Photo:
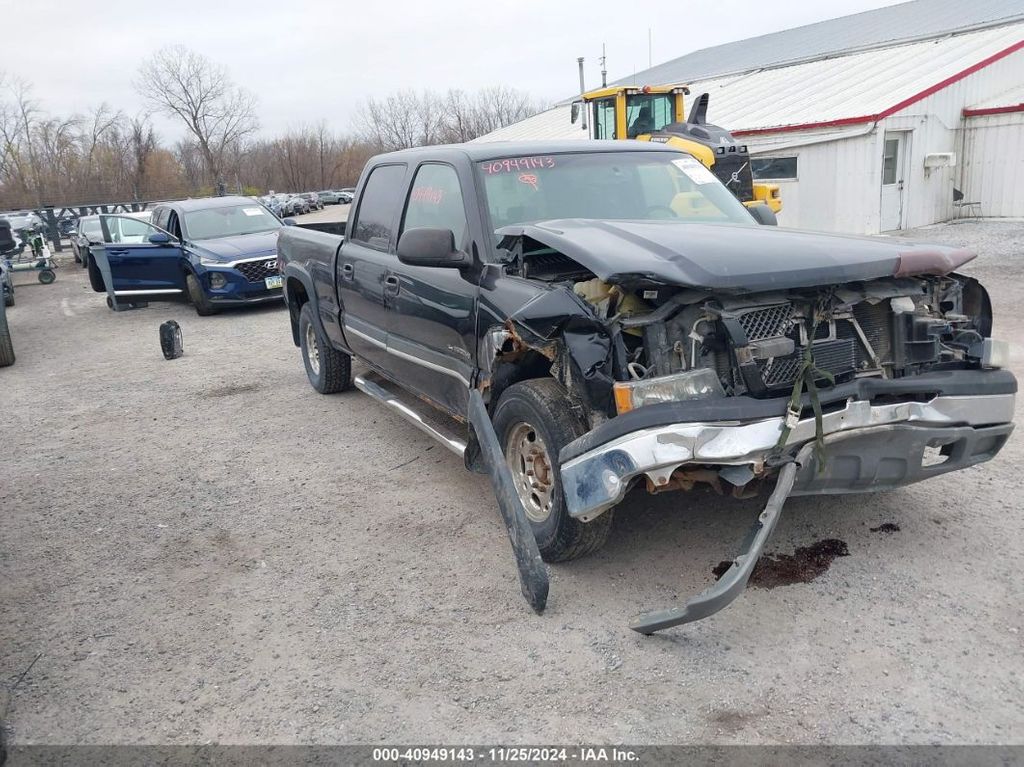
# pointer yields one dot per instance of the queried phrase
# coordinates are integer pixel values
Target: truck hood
(234, 248)
(734, 257)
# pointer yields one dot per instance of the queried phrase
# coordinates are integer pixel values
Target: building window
(890, 156)
(773, 168)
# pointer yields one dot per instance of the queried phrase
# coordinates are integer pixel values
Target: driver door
(139, 259)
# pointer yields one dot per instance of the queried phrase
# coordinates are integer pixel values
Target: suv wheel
(533, 424)
(328, 369)
(196, 294)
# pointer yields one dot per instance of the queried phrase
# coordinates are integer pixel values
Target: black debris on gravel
(802, 566)
(886, 527)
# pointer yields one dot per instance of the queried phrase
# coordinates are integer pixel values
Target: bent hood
(238, 247)
(734, 257)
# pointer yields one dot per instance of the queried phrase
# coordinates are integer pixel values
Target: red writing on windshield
(431, 195)
(516, 164)
(528, 178)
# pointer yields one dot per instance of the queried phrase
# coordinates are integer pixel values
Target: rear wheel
(46, 276)
(6, 345)
(196, 294)
(533, 424)
(328, 369)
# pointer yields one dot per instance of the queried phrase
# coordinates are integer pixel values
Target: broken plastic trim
(732, 583)
(533, 576)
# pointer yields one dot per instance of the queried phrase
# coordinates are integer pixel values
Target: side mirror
(763, 215)
(430, 247)
(574, 111)
(159, 238)
(289, 221)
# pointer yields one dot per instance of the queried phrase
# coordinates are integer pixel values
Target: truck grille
(257, 271)
(836, 357)
(769, 322)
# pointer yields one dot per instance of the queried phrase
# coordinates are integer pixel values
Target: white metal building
(876, 133)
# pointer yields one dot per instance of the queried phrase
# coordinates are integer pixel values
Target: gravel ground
(208, 550)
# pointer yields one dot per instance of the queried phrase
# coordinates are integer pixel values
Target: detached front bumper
(871, 444)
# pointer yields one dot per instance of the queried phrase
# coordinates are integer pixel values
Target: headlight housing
(217, 280)
(688, 385)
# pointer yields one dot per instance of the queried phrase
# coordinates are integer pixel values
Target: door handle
(347, 271)
(117, 251)
(391, 285)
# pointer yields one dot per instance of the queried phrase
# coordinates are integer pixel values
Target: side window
(382, 194)
(173, 227)
(435, 201)
(604, 118)
(125, 230)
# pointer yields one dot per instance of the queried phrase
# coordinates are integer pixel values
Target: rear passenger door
(431, 317)
(365, 260)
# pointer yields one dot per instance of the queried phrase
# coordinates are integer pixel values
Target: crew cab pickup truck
(625, 320)
(214, 252)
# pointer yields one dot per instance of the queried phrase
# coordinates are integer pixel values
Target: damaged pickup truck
(580, 318)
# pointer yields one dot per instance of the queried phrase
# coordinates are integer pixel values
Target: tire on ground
(196, 294)
(6, 345)
(95, 276)
(543, 404)
(328, 369)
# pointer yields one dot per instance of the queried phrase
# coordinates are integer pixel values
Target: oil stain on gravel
(231, 390)
(886, 527)
(802, 566)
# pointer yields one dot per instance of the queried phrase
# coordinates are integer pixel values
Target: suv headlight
(217, 280)
(688, 385)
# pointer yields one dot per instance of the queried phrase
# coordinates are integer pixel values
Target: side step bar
(424, 417)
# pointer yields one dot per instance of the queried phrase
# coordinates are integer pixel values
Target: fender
(298, 272)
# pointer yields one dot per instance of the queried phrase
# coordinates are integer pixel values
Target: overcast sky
(308, 60)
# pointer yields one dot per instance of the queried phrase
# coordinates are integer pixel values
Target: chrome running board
(424, 417)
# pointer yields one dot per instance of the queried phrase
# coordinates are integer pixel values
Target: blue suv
(215, 252)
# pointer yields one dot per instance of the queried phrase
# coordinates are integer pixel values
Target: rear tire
(6, 345)
(533, 423)
(328, 369)
(198, 297)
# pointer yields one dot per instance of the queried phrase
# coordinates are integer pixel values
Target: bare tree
(181, 83)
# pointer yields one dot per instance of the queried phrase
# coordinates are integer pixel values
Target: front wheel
(328, 369)
(196, 294)
(534, 422)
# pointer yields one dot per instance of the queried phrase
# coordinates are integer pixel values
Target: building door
(894, 162)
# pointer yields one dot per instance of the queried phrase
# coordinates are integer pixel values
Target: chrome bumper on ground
(870, 447)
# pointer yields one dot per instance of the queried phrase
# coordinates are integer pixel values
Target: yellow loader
(656, 113)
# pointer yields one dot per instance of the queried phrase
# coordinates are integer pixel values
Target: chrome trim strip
(408, 357)
(147, 292)
(385, 397)
(233, 264)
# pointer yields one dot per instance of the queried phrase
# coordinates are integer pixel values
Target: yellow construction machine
(656, 113)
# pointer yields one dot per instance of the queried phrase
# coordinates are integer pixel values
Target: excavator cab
(657, 114)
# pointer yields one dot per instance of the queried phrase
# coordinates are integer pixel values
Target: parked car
(344, 197)
(583, 319)
(215, 252)
(88, 233)
(296, 205)
(313, 199)
(273, 203)
(327, 197)
(8, 245)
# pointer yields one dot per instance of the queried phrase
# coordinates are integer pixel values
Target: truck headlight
(688, 385)
(217, 280)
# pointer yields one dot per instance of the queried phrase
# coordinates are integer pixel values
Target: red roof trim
(993, 110)
(897, 107)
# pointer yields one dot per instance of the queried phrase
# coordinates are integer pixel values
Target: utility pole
(583, 89)
(604, 68)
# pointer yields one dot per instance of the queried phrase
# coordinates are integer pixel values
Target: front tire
(533, 423)
(196, 294)
(328, 369)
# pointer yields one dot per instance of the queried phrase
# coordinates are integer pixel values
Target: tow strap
(807, 375)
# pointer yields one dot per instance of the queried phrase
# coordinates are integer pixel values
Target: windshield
(606, 185)
(212, 223)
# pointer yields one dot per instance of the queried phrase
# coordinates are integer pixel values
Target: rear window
(380, 200)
